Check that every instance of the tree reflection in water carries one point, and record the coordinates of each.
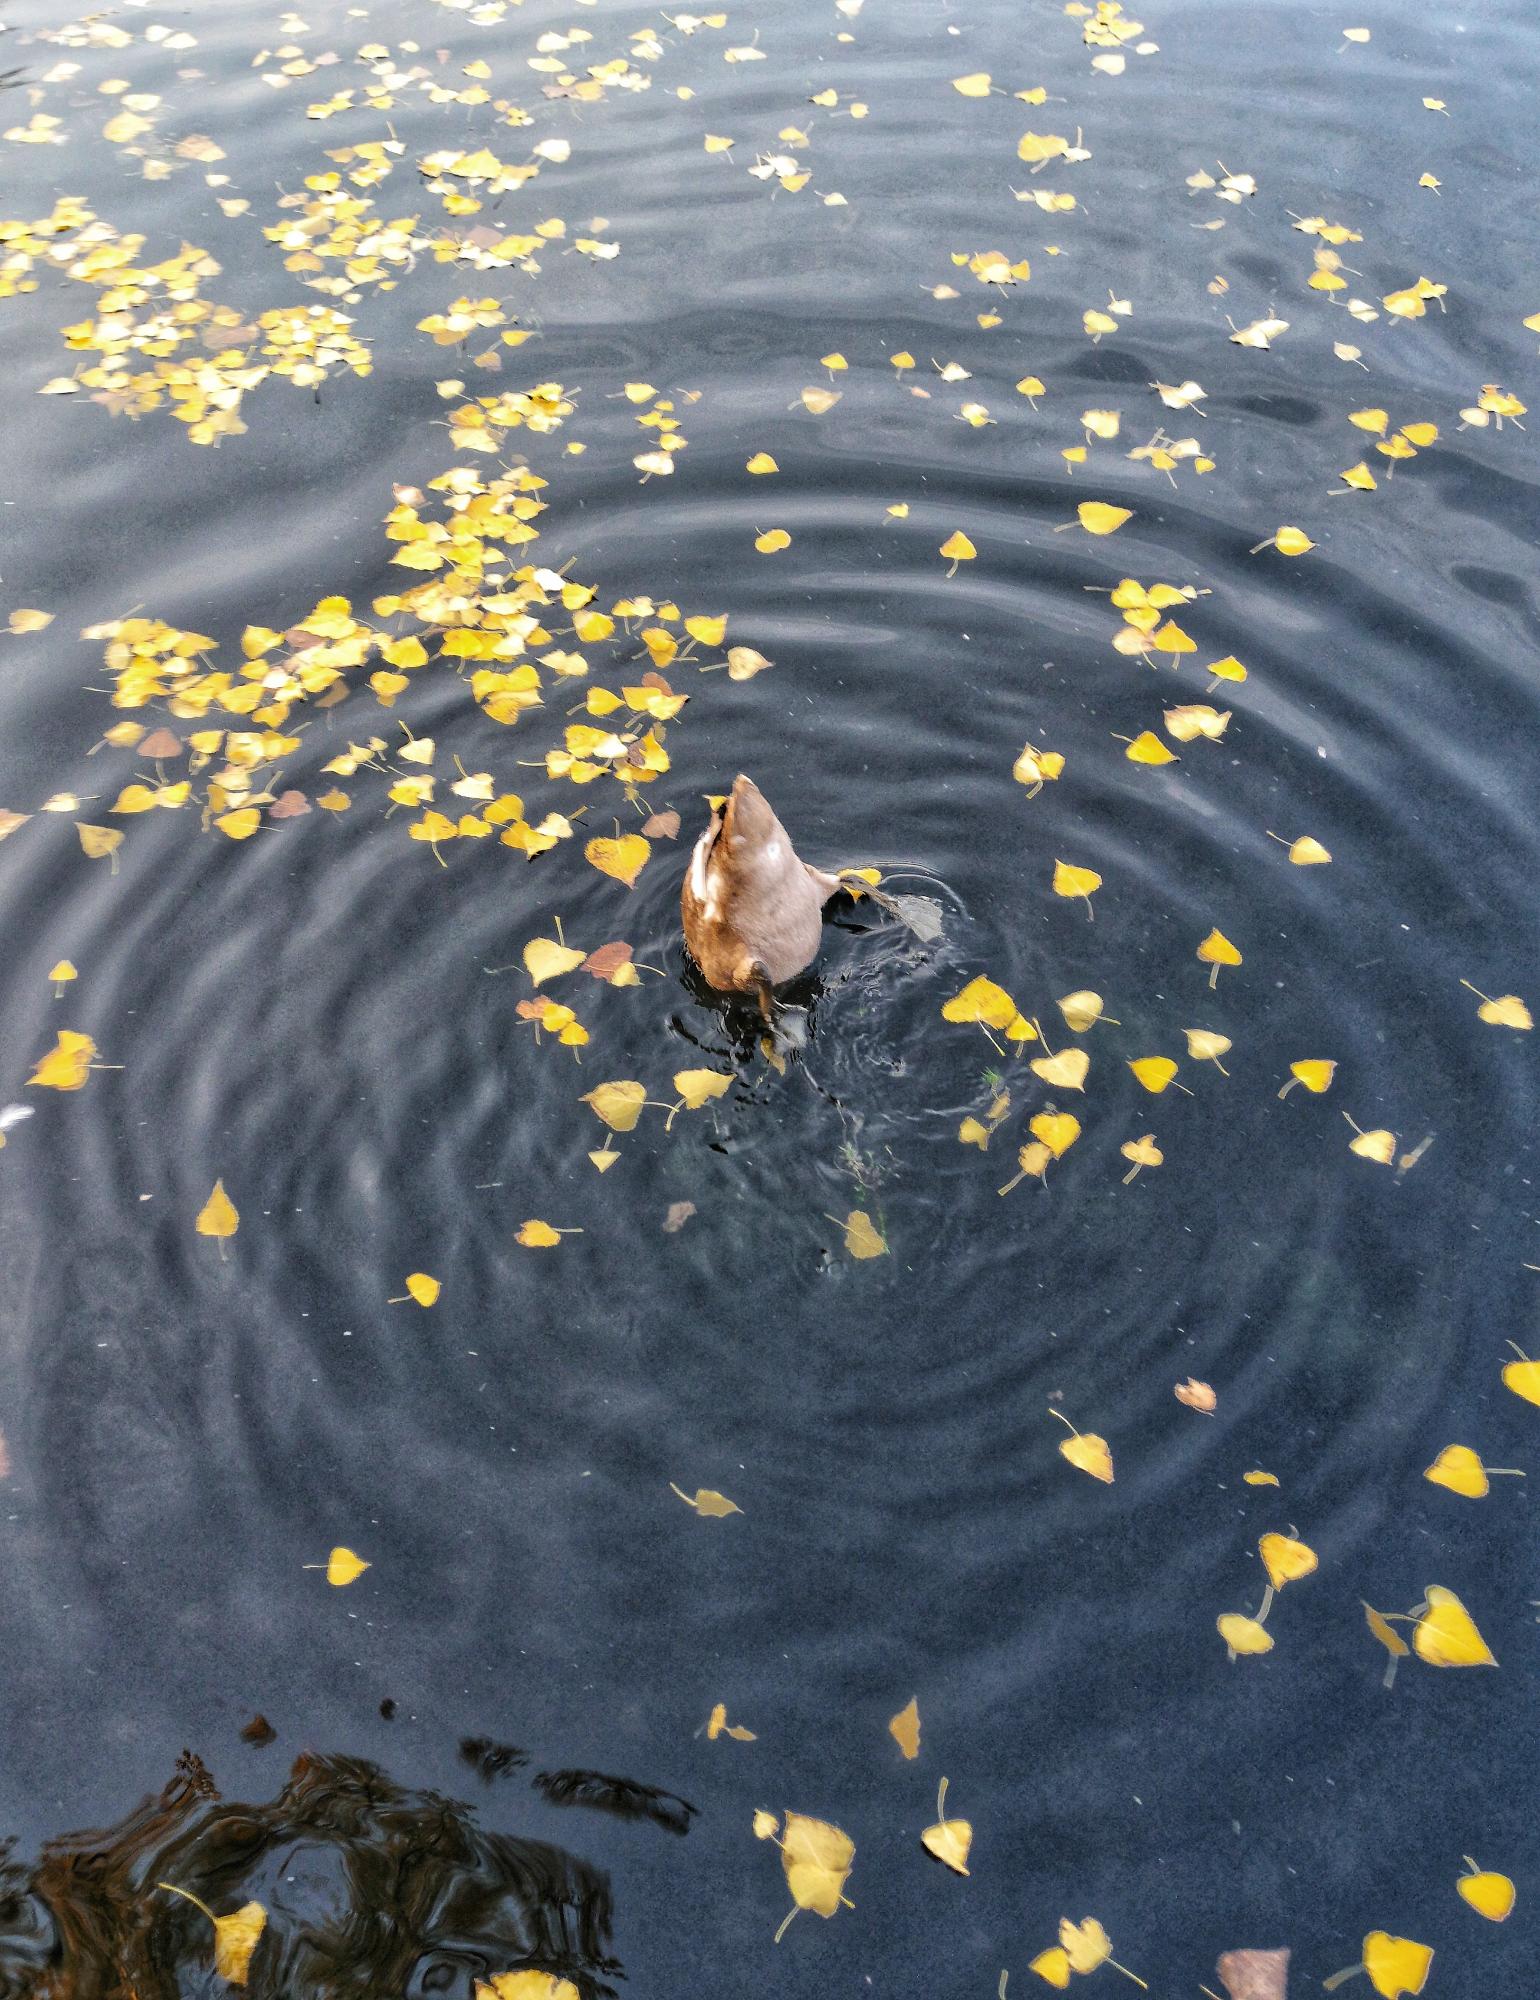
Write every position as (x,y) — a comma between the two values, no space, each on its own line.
(369,1890)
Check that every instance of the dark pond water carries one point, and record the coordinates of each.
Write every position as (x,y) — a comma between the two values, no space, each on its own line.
(324,1019)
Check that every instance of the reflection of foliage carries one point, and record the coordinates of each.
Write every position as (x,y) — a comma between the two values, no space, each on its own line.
(369,1890)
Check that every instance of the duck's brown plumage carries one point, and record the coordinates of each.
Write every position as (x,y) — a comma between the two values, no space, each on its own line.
(753,912)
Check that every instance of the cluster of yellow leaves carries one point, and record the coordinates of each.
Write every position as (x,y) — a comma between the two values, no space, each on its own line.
(1082,1948)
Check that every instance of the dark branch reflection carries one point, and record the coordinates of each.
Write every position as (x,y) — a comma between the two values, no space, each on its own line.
(369,1889)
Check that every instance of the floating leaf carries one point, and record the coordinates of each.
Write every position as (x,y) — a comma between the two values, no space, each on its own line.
(1203,1045)
(67,1064)
(1147,748)
(1098,518)
(619,1104)
(761,462)
(545,959)
(100,842)
(624,858)
(1489,1894)
(1082,1010)
(1507,1011)
(1086,1945)
(344,1567)
(1052,1965)
(861,1236)
(423,1289)
(949,1839)
(1285,1559)
(772,541)
(1057,1130)
(1196,1395)
(537,1235)
(1154,1072)
(957,548)
(1523,1377)
(976,85)
(708,1504)
(218,1216)
(1314,1072)
(1244,1635)
(235,1935)
(1069,880)
(1396,1965)
(904,1728)
(1216,950)
(1065,1071)
(816,1857)
(1143,1152)
(1446,1635)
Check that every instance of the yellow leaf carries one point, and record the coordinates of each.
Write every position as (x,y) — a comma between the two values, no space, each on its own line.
(1098,518)
(1143,1153)
(1193,719)
(711,1505)
(30,621)
(1388,1637)
(1071,881)
(1491,1895)
(1446,1636)
(619,1104)
(976,85)
(1523,1378)
(949,1839)
(424,1290)
(1154,1072)
(1034,147)
(1421,435)
(1286,1560)
(1086,1944)
(1314,1072)
(1147,748)
(1065,1071)
(1058,1131)
(1376,422)
(981,1000)
(772,541)
(1216,950)
(1227,669)
(100,841)
(971,1133)
(235,1939)
(1081,1010)
(1292,542)
(765,1825)
(1461,1470)
(1378,1145)
(818,402)
(1203,1045)
(957,548)
(861,1237)
(1508,1011)
(62,972)
(698,1086)
(1396,1965)
(762,462)
(1260,1478)
(1308,853)
(624,858)
(816,1857)
(1089,1453)
(905,1730)
(545,959)
(240,824)
(67,1063)
(1244,1635)
(1052,1965)
(344,1567)
(526,1984)
(218,1215)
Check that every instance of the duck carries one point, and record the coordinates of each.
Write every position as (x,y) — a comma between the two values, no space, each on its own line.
(752,908)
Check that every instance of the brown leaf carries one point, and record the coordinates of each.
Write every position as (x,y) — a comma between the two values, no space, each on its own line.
(679,1213)
(663,825)
(161,743)
(1196,1395)
(1254,1975)
(653,679)
(259,1732)
(288,805)
(530,1010)
(606,959)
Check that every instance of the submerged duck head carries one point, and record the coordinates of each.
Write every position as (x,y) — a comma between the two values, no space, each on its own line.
(752,909)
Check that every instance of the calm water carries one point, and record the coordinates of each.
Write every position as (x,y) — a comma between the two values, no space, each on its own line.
(324,1018)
